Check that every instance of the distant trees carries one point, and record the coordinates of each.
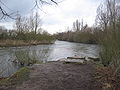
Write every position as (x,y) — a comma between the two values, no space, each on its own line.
(26,24)
(80,33)
(16,38)
(79,25)
(76,25)
(29,28)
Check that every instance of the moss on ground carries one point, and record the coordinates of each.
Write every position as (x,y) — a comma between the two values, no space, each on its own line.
(17,78)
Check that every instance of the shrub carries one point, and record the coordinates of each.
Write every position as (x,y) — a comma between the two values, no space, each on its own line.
(110,49)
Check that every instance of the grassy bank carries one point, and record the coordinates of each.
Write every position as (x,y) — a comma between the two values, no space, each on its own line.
(17,78)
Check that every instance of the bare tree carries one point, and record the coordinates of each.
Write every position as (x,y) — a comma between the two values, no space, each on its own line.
(37,22)
(107,14)
(18,23)
(79,26)
(26,24)
(111,5)
(76,25)
(102,17)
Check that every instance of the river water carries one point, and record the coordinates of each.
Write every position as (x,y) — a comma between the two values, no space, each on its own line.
(44,53)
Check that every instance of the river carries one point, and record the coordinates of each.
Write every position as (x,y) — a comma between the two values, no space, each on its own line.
(44,53)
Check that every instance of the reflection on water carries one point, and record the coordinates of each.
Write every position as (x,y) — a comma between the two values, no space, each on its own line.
(61,49)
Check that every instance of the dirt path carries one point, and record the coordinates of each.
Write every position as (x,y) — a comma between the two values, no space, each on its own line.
(59,76)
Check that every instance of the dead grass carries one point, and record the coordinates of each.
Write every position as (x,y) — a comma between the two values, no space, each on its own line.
(107,79)
(8,43)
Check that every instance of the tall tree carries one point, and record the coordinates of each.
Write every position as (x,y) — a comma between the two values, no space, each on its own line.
(37,22)
(107,14)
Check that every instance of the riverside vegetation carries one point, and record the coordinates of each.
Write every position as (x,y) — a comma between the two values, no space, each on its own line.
(16,79)
(16,38)
(27,31)
(106,33)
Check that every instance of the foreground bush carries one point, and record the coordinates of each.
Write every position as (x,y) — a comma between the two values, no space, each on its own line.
(110,49)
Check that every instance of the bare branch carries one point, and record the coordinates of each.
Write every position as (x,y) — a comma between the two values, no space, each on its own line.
(47,2)
(4,14)
(54,2)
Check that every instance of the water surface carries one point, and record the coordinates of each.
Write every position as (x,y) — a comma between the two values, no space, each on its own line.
(53,52)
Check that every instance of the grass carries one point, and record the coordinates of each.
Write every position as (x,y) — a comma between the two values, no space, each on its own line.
(17,78)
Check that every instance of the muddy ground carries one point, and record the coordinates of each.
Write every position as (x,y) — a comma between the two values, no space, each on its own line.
(60,76)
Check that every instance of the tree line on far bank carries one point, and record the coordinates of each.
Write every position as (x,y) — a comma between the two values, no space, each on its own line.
(80,33)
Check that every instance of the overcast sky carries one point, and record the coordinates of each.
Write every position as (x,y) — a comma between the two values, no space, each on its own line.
(56,18)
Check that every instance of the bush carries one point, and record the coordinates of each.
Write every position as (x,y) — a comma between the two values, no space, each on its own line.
(78,36)
(110,49)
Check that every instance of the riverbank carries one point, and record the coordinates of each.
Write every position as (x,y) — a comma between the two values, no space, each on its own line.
(59,76)
(12,43)
(43,53)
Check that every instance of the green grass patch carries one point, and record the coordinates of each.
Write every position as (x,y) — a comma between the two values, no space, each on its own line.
(17,78)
